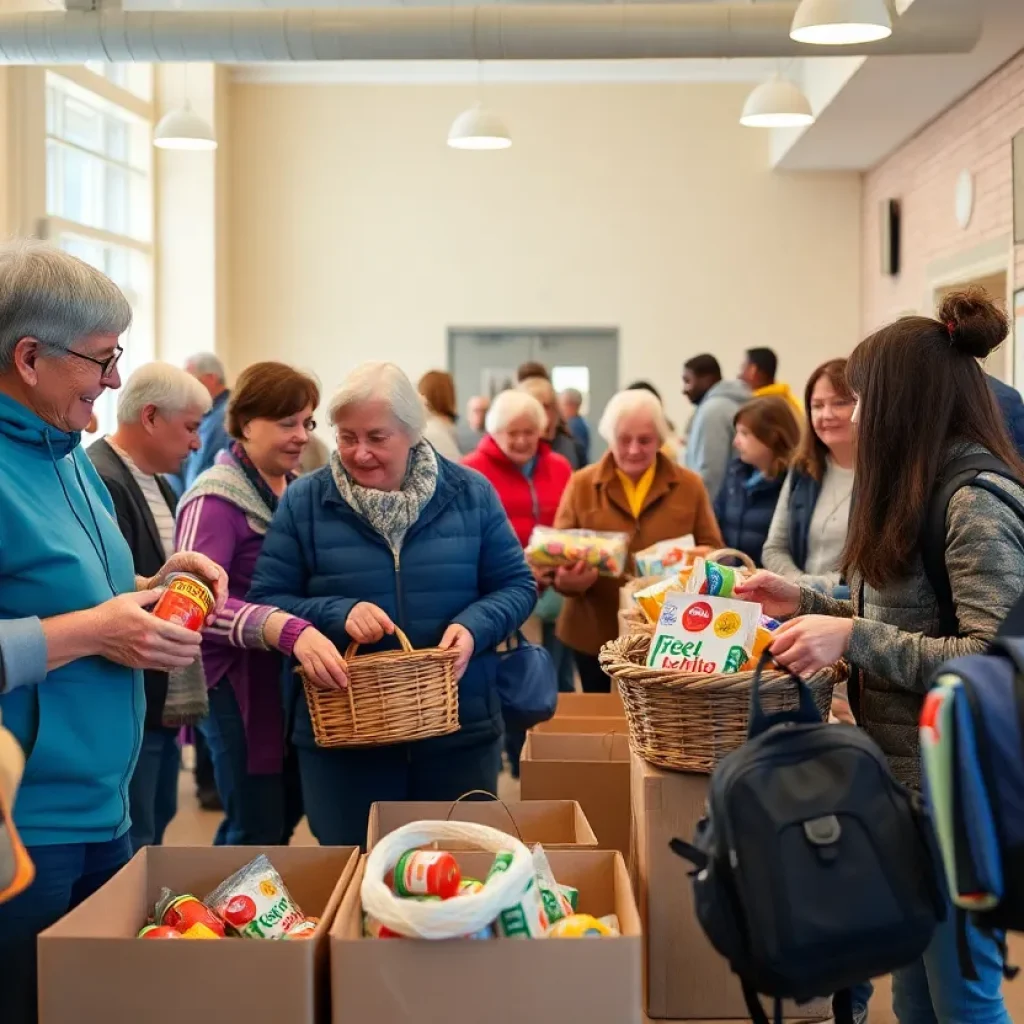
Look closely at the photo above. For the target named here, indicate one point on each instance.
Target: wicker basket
(688, 722)
(392, 697)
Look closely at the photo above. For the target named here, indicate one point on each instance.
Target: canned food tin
(186, 601)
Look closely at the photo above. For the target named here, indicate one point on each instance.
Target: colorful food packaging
(572, 895)
(651, 599)
(469, 886)
(580, 926)
(662, 558)
(303, 929)
(703, 635)
(606, 552)
(186, 602)
(183, 912)
(254, 902)
(426, 873)
(556, 905)
(525, 919)
(713, 579)
(159, 931)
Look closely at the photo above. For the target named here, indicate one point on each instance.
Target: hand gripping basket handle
(760, 721)
(402, 639)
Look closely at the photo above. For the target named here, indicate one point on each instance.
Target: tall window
(99, 189)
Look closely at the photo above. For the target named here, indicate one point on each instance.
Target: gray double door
(485, 363)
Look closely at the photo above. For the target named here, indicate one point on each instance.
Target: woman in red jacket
(529, 478)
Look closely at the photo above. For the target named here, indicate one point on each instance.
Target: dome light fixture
(183, 128)
(841, 22)
(777, 103)
(478, 128)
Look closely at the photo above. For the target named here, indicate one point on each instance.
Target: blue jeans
(153, 792)
(339, 785)
(65, 876)
(933, 990)
(259, 810)
(561, 656)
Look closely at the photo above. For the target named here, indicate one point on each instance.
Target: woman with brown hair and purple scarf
(225, 515)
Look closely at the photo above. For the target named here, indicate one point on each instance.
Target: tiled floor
(193, 827)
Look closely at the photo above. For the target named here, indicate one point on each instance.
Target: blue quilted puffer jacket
(460, 562)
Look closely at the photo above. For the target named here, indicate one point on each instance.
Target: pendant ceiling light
(183, 128)
(478, 128)
(841, 22)
(777, 103)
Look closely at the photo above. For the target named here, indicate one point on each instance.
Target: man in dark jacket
(1012, 408)
(158, 415)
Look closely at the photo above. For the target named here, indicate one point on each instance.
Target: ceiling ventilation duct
(497, 32)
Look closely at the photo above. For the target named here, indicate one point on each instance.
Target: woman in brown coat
(636, 490)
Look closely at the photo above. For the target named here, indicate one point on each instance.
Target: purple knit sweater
(220, 530)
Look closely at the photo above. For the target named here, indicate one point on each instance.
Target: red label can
(186, 601)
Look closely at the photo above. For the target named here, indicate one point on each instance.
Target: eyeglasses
(106, 365)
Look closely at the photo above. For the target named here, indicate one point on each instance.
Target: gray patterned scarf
(392, 513)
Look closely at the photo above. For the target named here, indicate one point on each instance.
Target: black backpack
(815, 868)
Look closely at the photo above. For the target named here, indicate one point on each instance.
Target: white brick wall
(975, 134)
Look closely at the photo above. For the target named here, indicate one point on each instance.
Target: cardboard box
(594, 770)
(497, 981)
(584, 726)
(93, 968)
(590, 705)
(556, 824)
(685, 977)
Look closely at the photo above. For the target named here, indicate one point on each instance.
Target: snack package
(703, 635)
(606, 552)
(556, 904)
(186, 914)
(651, 599)
(662, 558)
(581, 926)
(525, 919)
(572, 895)
(713, 579)
(254, 902)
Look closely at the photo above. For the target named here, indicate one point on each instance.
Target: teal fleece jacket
(61, 551)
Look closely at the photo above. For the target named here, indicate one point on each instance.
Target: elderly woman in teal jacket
(72, 692)
(391, 534)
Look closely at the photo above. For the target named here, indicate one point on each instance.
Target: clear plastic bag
(551, 548)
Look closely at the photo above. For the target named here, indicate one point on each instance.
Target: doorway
(484, 362)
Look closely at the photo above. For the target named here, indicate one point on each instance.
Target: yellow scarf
(636, 493)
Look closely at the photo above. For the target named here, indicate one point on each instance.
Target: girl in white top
(808, 532)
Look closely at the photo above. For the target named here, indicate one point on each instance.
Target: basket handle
(761, 722)
(402, 639)
(494, 799)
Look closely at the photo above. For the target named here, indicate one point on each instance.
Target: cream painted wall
(357, 234)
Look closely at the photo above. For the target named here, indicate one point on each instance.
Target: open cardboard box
(584, 726)
(590, 705)
(93, 968)
(556, 824)
(685, 977)
(497, 981)
(594, 770)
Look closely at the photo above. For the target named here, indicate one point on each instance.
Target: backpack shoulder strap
(960, 472)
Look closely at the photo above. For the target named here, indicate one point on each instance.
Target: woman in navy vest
(808, 531)
(767, 434)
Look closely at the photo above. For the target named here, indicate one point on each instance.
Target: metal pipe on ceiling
(496, 32)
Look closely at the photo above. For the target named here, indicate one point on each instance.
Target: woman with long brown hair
(766, 435)
(923, 402)
(437, 389)
(808, 532)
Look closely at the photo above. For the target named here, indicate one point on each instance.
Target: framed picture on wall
(1018, 188)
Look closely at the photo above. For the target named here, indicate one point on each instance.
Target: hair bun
(976, 325)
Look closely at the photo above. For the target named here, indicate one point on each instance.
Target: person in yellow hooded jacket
(760, 365)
